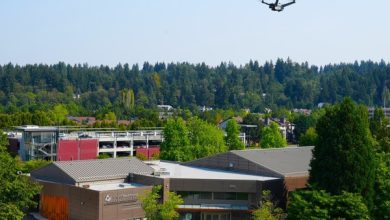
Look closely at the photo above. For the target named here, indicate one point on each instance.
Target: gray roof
(290, 161)
(91, 170)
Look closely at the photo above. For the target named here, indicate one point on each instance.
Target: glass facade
(39, 145)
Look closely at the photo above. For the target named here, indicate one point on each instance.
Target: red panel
(148, 153)
(153, 150)
(77, 149)
(88, 149)
(143, 151)
(67, 150)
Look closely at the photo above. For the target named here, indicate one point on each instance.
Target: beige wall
(121, 204)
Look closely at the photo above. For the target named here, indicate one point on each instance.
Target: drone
(277, 6)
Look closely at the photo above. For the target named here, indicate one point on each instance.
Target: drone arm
(287, 4)
(265, 2)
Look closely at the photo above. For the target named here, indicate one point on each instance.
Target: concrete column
(132, 146)
(114, 145)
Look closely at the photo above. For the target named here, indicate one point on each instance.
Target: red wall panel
(67, 150)
(77, 149)
(88, 149)
(153, 150)
(147, 152)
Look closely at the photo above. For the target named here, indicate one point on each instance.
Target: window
(242, 196)
(206, 195)
(225, 196)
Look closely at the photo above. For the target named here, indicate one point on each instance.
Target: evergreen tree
(343, 158)
(318, 204)
(376, 121)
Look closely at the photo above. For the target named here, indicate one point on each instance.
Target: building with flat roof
(223, 186)
(57, 144)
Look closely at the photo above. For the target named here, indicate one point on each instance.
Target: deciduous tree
(309, 138)
(155, 210)
(232, 136)
(271, 137)
(16, 191)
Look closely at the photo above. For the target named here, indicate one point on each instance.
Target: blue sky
(211, 31)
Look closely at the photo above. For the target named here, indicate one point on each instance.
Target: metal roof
(289, 161)
(36, 128)
(93, 170)
(178, 171)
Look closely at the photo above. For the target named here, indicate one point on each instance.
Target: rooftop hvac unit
(162, 172)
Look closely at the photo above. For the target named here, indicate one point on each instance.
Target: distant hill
(254, 86)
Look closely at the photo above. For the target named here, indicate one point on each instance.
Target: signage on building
(110, 199)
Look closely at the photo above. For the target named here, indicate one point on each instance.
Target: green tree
(149, 202)
(318, 204)
(271, 137)
(343, 158)
(10, 211)
(191, 140)
(176, 144)
(127, 98)
(205, 139)
(309, 138)
(28, 166)
(382, 187)
(382, 180)
(154, 210)
(58, 114)
(267, 209)
(232, 136)
(168, 208)
(16, 191)
(110, 116)
(376, 121)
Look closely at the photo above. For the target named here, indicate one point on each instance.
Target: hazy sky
(211, 31)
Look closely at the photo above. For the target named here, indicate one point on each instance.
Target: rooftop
(91, 170)
(114, 186)
(289, 161)
(178, 171)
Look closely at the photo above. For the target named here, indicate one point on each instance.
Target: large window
(213, 195)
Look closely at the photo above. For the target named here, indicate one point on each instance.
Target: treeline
(86, 90)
